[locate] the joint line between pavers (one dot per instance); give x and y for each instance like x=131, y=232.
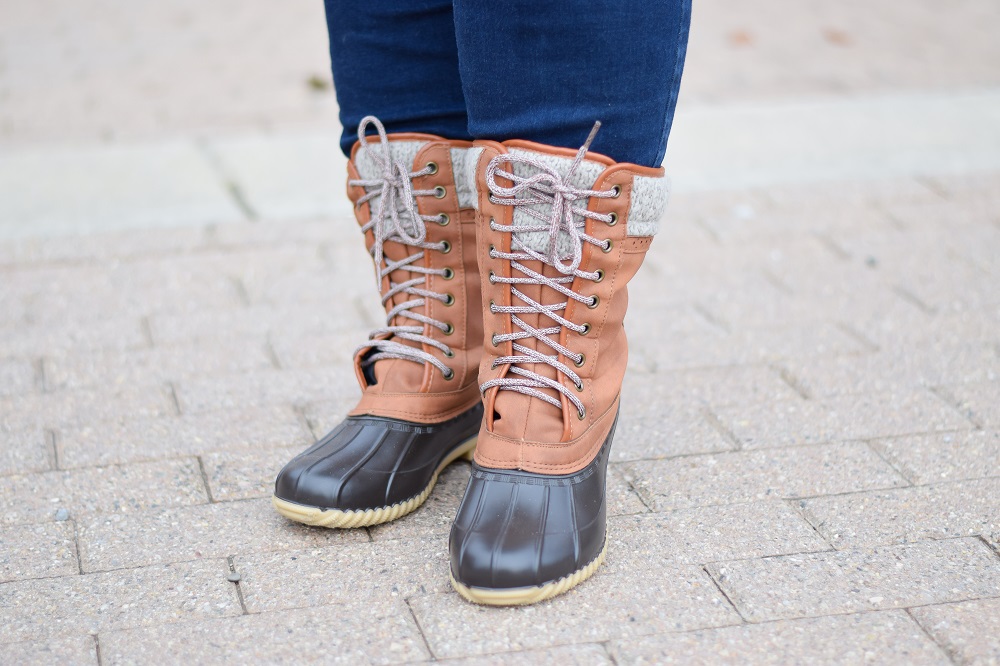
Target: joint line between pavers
x=934, y=185
x=897, y=469
x=909, y=297
x=942, y=394
x=711, y=318
x=97, y=649
x=38, y=366
x=857, y=336
x=858, y=549
x=241, y=291
x=517, y=652
x=776, y=282
x=230, y=560
x=240, y=199
x=146, y=328
x=786, y=375
x=993, y=549
x=50, y=436
x=420, y=630
x=846, y=613
x=895, y=222
x=953, y=658
x=226, y=178
x=638, y=493
x=821, y=496
x=300, y=414
x=606, y=646
x=271, y=354
x=714, y=421
x=828, y=243
x=791, y=447
x=173, y=397
x=709, y=231
x=796, y=505
x=204, y=479
x=724, y=594
x=76, y=547
x=755, y=558
x=826, y=442
x=635, y=491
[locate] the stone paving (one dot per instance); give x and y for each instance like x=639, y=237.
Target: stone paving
x=808, y=463
x=808, y=466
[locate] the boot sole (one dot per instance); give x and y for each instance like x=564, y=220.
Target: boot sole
x=341, y=519
x=522, y=596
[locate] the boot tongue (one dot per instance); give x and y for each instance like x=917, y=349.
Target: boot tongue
x=583, y=177
x=369, y=168
x=522, y=416
x=391, y=374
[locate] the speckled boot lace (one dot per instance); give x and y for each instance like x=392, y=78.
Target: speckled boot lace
x=395, y=218
x=560, y=210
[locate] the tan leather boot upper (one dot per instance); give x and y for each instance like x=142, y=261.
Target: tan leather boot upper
x=443, y=302
x=521, y=430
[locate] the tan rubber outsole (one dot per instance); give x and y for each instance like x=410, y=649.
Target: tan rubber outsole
x=522, y=596
x=336, y=518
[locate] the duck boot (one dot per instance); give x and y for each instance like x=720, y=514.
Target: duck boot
x=420, y=406
x=560, y=235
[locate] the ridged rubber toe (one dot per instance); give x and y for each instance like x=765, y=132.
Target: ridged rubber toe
x=371, y=470
x=521, y=537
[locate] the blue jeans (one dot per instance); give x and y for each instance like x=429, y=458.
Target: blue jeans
x=518, y=69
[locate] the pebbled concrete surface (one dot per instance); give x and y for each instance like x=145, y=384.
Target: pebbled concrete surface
x=808, y=456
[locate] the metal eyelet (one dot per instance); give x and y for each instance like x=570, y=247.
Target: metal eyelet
x=493, y=248
x=449, y=299
x=583, y=359
x=444, y=219
x=614, y=220
x=492, y=306
x=449, y=329
x=582, y=414
x=432, y=168
x=594, y=302
x=449, y=375
x=447, y=274
x=616, y=191
x=607, y=248
x=449, y=354
x=445, y=247
x=440, y=192
x=494, y=340
x=492, y=277
x=586, y=329
x=600, y=275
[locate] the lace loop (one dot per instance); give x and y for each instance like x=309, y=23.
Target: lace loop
x=396, y=218
x=563, y=215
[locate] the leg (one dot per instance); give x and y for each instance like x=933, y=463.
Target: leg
x=545, y=71
x=397, y=61
x=420, y=407
x=561, y=231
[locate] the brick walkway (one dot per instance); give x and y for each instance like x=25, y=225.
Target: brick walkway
x=807, y=468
